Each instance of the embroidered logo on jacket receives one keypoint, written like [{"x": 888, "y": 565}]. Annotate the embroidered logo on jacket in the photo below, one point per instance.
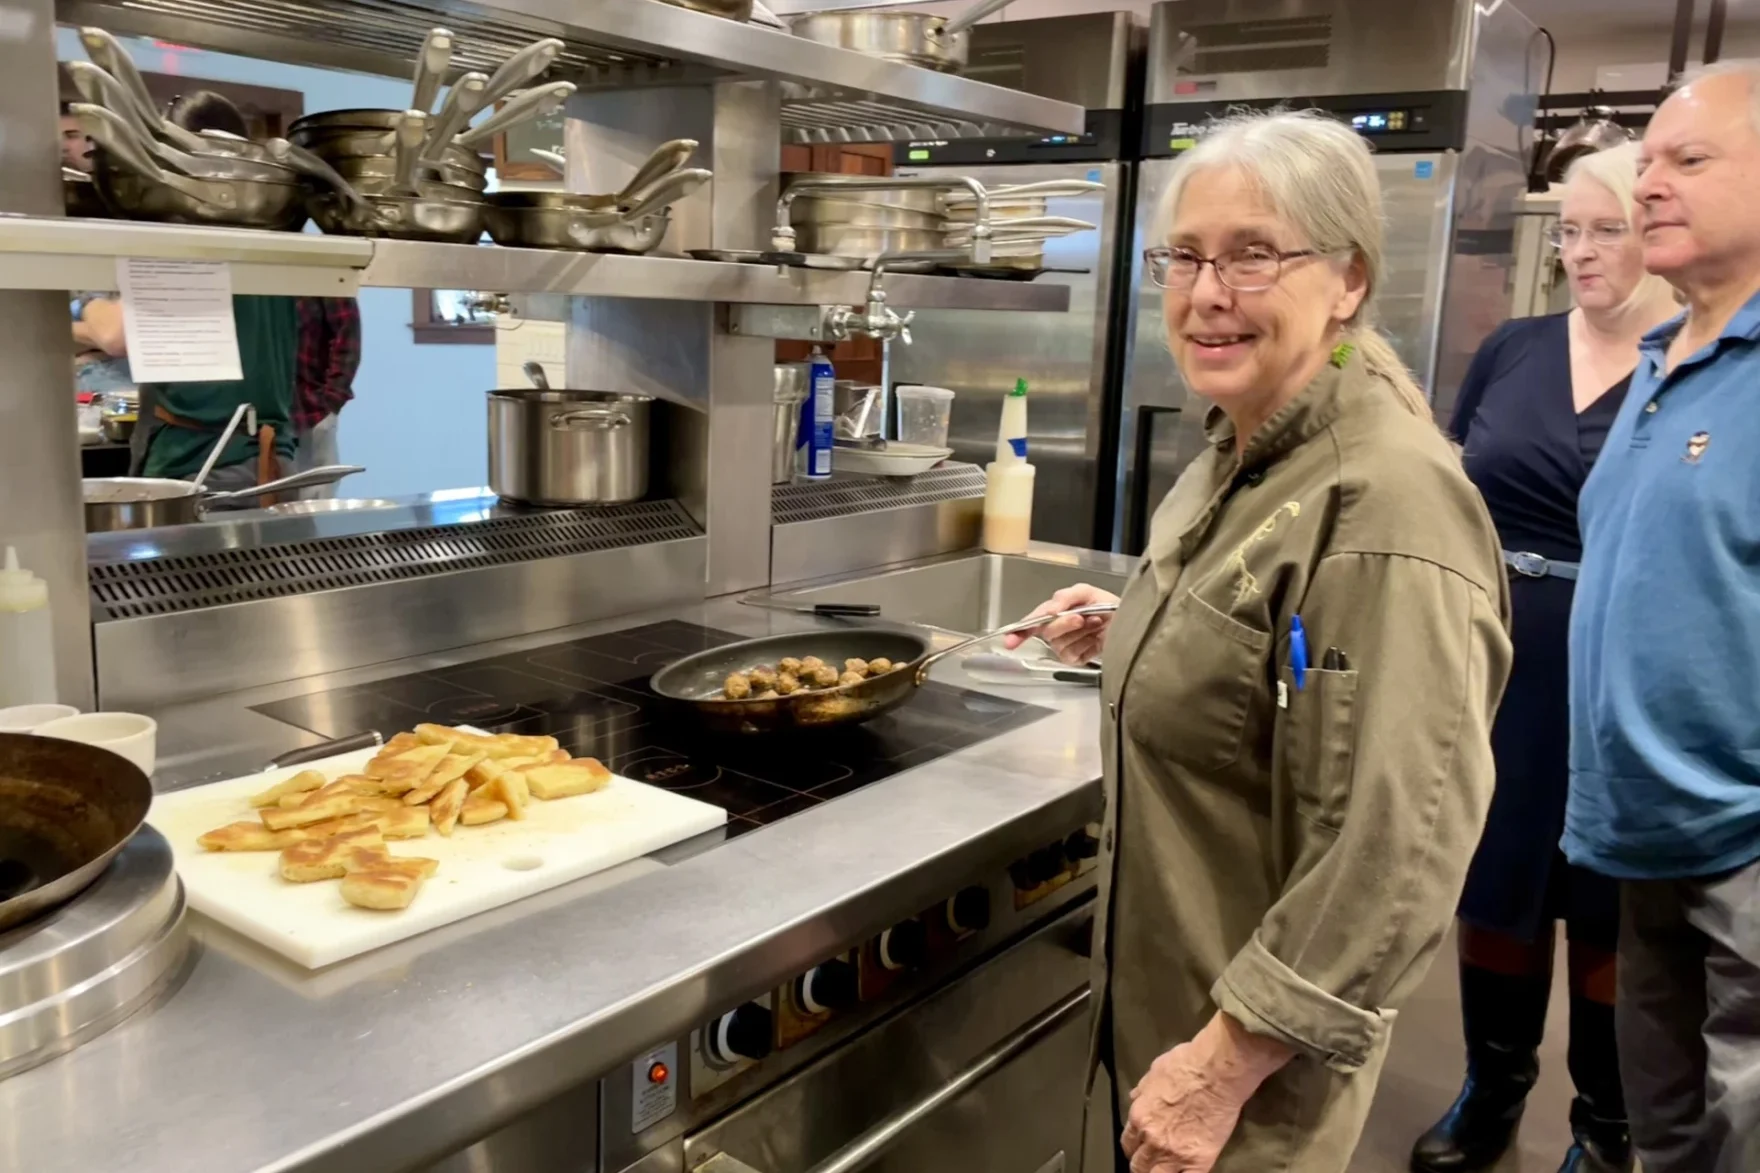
[
  {"x": 1246, "y": 585},
  {"x": 1696, "y": 445}
]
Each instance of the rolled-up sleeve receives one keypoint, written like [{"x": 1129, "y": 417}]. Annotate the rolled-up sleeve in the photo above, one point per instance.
[{"x": 1390, "y": 805}]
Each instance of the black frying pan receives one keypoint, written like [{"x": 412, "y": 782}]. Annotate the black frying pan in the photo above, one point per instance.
[
  {"x": 66, "y": 808},
  {"x": 698, "y": 680}
]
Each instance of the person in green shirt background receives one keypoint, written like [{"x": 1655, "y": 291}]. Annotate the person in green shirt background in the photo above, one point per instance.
[{"x": 180, "y": 422}]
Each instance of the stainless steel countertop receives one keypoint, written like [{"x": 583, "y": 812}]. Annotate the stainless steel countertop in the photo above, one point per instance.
[{"x": 396, "y": 1058}]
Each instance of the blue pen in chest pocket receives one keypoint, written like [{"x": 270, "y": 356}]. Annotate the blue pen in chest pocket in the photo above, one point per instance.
[{"x": 1298, "y": 651}]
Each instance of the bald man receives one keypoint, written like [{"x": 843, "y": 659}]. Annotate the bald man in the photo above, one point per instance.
[{"x": 1665, "y": 649}]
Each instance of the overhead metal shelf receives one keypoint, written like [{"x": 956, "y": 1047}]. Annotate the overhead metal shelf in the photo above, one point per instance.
[
  {"x": 834, "y": 94},
  {"x": 46, "y": 252},
  {"x": 52, "y": 253},
  {"x": 407, "y": 264}
]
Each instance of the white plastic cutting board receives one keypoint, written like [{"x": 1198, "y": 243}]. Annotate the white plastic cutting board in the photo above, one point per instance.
[{"x": 480, "y": 867}]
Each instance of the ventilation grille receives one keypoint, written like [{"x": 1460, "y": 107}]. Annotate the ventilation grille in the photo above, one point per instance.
[
  {"x": 1253, "y": 46},
  {"x": 814, "y": 115},
  {"x": 819, "y": 500},
  {"x": 178, "y": 582}
]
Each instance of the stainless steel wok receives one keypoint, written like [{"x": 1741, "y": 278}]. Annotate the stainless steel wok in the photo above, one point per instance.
[{"x": 66, "y": 809}]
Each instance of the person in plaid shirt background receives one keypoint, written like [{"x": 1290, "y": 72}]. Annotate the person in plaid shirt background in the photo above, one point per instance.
[{"x": 329, "y": 354}]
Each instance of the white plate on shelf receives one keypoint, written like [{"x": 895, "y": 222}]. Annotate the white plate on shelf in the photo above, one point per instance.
[{"x": 894, "y": 460}]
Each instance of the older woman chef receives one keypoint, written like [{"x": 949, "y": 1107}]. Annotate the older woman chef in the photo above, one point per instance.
[{"x": 1299, "y": 681}]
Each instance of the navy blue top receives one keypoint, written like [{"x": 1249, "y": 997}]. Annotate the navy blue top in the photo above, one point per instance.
[
  {"x": 1665, "y": 637},
  {"x": 1527, "y": 448},
  {"x": 1529, "y": 452}
]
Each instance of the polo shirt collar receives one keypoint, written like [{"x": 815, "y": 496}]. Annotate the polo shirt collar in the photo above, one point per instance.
[{"x": 1743, "y": 327}]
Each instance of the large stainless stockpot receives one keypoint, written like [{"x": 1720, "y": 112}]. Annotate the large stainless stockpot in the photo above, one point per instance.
[{"x": 551, "y": 447}]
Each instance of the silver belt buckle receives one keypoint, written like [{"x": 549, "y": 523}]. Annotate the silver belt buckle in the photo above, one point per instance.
[{"x": 1528, "y": 563}]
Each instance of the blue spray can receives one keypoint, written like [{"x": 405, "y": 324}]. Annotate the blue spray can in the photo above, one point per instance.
[{"x": 818, "y": 413}]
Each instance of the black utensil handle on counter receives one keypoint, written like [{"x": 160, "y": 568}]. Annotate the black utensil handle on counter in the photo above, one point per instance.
[
  {"x": 822, "y": 610},
  {"x": 1089, "y": 676},
  {"x": 328, "y": 749}
]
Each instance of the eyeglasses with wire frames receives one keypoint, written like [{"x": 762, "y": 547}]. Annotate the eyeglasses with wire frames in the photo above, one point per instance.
[
  {"x": 1251, "y": 269},
  {"x": 1606, "y": 233}
]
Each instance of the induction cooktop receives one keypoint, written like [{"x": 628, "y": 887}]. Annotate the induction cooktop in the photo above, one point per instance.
[{"x": 592, "y": 695}]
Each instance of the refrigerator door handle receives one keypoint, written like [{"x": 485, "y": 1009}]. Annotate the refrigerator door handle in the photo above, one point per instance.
[{"x": 1139, "y": 507}]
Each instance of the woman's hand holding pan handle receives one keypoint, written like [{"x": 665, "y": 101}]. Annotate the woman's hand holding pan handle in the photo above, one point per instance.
[{"x": 1079, "y": 638}]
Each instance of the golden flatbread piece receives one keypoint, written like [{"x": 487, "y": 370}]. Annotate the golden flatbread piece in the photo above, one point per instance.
[
  {"x": 246, "y": 836},
  {"x": 387, "y": 884},
  {"x": 330, "y": 859},
  {"x": 447, "y": 804},
  {"x": 301, "y": 783},
  {"x": 567, "y": 779},
  {"x": 479, "y": 809},
  {"x": 315, "y": 810}
]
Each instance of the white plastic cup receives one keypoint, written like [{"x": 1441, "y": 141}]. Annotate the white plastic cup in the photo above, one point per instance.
[
  {"x": 924, "y": 414},
  {"x": 27, "y": 718},
  {"x": 128, "y": 735}
]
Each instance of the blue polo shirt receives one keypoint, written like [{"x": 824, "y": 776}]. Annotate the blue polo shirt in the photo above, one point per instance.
[{"x": 1665, "y": 634}]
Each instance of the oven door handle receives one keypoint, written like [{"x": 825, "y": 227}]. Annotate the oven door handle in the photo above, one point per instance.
[{"x": 865, "y": 1149}]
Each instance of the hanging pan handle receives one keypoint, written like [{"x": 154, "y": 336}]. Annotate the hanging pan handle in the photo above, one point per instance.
[
  {"x": 327, "y": 474},
  {"x": 971, "y": 16}
]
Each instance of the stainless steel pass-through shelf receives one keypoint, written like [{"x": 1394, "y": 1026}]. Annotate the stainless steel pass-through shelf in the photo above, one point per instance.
[
  {"x": 58, "y": 253},
  {"x": 834, "y": 94}
]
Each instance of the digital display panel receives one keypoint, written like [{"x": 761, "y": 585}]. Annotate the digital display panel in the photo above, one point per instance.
[{"x": 1380, "y": 121}]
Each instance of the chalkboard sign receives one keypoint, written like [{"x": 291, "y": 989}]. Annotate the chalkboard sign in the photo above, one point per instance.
[{"x": 513, "y": 150}]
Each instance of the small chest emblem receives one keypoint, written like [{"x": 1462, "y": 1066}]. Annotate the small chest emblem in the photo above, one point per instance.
[
  {"x": 1696, "y": 445},
  {"x": 1246, "y": 585}
]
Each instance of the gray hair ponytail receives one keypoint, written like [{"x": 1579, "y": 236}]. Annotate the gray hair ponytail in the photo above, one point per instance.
[{"x": 1318, "y": 175}]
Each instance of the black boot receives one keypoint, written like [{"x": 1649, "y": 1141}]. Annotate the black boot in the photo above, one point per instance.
[
  {"x": 1503, "y": 1017},
  {"x": 1603, "y": 1144},
  {"x": 1602, "y": 1141}
]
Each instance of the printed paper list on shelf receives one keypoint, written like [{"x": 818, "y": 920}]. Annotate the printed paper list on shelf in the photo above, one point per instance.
[{"x": 177, "y": 318}]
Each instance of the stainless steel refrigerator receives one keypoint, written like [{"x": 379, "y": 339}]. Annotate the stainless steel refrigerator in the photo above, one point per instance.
[
  {"x": 1446, "y": 95},
  {"x": 1068, "y": 359}
]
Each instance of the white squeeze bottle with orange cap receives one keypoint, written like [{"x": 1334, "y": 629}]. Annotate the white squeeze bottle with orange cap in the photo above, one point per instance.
[
  {"x": 1008, "y": 482},
  {"x": 27, "y": 637}
]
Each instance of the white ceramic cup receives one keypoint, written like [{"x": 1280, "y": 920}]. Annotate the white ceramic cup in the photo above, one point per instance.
[
  {"x": 26, "y": 718},
  {"x": 129, "y": 734}
]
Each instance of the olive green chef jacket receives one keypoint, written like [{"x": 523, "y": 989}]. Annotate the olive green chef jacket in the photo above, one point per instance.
[{"x": 1293, "y": 856}]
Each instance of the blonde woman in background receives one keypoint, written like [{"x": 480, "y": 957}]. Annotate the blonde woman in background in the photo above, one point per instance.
[
  {"x": 1533, "y": 412},
  {"x": 1299, "y": 682}
]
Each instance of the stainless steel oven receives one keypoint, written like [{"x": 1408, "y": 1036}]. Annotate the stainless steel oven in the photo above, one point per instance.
[
  {"x": 986, "y": 1073},
  {"x": 953, "y": 1039}
]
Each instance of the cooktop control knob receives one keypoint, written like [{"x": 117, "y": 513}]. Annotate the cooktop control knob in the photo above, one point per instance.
[
  {"x": 904, "y": 946},
  {"x": 830, "y": 986},
  {"x": 1044, "y": 865},
  {"x": 1082, "y": 845},
  {"x": 969, "y": 911},
  {"x": 740, "y": 1034}
]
